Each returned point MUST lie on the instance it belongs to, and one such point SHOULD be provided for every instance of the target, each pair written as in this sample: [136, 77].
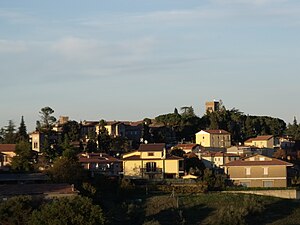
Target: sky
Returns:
[131, 59]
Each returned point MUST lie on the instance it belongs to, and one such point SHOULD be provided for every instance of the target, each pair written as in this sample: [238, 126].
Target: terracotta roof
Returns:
[273, 162]
[260, 138]
[152, 147]
[217, 131]
[33, 189]
[97, 158]
[7, 147]
[217, 154]
[138, 157]
[186, 146]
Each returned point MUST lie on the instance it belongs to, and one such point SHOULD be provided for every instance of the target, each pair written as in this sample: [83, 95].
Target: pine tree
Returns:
[22, 131]
[9, 133]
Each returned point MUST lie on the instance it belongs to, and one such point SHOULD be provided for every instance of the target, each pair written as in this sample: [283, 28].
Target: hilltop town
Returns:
[115, 164]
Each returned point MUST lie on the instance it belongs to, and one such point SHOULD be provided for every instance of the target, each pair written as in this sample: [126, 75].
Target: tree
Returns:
[23, 161]
[177, 152]
[16, 210]
[71, 130]
[9, 133]
[104, 140]
[66, 170]
[75, 211]
[22, 131]
[47, 120]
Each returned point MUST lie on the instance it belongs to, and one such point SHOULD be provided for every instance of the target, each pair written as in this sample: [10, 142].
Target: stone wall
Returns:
[289, 194]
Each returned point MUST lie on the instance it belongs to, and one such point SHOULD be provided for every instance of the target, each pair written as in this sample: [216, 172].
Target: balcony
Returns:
[151, 170]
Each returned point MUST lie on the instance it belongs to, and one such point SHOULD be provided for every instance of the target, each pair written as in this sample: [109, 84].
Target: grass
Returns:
[211, 208]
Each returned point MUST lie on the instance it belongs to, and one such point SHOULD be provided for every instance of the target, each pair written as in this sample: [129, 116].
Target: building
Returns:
[218, 159]
[187, 148]
[152, 161]
[7, 151]
[258, 171]
[265, 141]
[213, 138]
[240, 150]
[100, 163]
[38, 139]
[212, 106]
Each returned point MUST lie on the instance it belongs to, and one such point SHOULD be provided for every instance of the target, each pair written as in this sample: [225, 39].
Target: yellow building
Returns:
[213, 138]
[152, 161]
[217, 159]
[258, 171]
[7, 152]
[266, 141]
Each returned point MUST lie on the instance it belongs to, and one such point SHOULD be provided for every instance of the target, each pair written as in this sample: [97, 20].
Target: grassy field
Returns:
[211, 208]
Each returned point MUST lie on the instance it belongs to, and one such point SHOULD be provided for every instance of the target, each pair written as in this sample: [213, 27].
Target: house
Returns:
[187, 148]
[212, 106]
[38, 139]
[217, 159]
[100, 163]
[265, 141]
[7, 151]
[152, 161]
[213, 138]
[240, 150]
[258, 171]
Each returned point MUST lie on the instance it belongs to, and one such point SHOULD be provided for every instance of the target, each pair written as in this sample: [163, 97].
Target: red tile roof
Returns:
[217, 131]
[186, 146]
[138, 157]
[152, 147]
[97, 158]
[273, 162]
[7, 147]
[260, 138]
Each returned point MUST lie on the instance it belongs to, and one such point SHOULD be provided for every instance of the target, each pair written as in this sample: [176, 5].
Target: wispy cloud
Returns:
[16, 16]
[249, 2]
[8, 46]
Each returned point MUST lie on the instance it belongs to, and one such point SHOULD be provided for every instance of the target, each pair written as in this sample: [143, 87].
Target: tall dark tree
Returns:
[22, 131]
[9, 133]
[104, 140]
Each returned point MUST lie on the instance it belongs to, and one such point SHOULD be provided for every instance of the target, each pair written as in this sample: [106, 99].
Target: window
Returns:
[35, 144]
[248, 171]
[266, 170]
[245, 184]
[151, 166]
[268, 183]
[150, 154]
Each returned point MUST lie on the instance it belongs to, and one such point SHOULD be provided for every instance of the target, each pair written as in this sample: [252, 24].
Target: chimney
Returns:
[164, 153]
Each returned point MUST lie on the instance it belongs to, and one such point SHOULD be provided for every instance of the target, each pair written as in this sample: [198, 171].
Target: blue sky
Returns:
[127, 60]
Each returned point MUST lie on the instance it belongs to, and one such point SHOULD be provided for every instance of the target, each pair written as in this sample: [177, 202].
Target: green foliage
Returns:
[71, 130]
[234, 215]
[22, 131]
[47, 120]
[214, 180]
[194, 165]
[73, 211]
[91, 146]
[16, 210]
[9, 135]
[294, 129]
[104, 140]
[67, 170]
[177, 152]
[24, 159]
